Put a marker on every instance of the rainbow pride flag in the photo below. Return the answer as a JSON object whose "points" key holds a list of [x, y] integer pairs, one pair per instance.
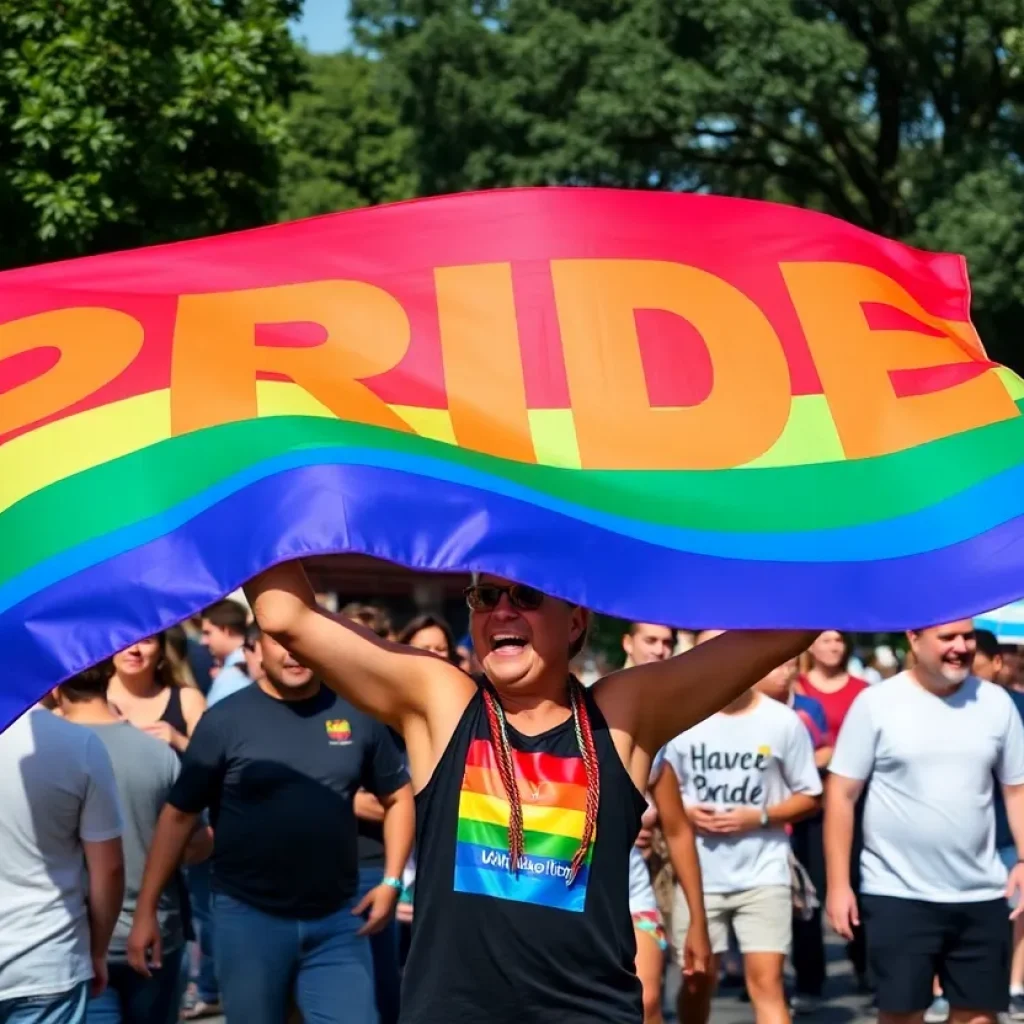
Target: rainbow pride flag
{"points": [[675, 408], [554, 801]]}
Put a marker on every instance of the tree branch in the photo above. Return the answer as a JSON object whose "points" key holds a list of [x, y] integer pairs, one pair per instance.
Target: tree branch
{"points": [[803, 175]]}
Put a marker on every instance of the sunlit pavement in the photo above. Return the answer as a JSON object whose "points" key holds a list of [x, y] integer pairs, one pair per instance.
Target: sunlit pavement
{"points": [[842, 1004]]}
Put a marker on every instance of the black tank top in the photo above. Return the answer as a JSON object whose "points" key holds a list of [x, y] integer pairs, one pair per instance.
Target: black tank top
{"points": [[487, 946], [173, 714]]}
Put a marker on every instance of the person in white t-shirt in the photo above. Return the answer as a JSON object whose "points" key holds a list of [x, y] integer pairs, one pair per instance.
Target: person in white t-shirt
{"points": [[61, 868], [931, 741], [652, 943], [744, 774]]}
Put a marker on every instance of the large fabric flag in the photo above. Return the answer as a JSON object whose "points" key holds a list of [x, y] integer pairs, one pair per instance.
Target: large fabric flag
{"points": [[675, 408]]}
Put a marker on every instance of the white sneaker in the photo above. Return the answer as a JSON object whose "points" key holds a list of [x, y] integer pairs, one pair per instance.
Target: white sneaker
{"points": [[938, 1012]]}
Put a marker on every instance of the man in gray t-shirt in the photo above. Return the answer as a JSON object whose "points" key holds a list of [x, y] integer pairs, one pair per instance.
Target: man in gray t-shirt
{"points": [[145, 769], [932, 742], [61, 870]]}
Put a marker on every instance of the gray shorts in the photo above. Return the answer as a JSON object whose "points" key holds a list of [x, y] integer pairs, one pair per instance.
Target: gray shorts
{"points": [[762, 919]]}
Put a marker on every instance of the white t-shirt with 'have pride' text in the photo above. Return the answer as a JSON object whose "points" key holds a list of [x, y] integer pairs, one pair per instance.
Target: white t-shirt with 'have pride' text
{"points": [[755, 758]]}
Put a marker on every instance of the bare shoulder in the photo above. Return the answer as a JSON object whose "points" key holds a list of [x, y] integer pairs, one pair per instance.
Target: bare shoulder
{"points": [[192, 700], [615, 695], [627, 696], [448, 686], [428, 725], [617, 701]]}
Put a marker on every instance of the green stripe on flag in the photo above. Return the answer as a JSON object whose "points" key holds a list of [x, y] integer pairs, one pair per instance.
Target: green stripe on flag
{"points": [[537, 844], [766, 500]]}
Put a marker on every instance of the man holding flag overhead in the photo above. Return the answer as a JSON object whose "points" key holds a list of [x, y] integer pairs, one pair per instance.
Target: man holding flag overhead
{"points": [[452, 405], [529, 791]]}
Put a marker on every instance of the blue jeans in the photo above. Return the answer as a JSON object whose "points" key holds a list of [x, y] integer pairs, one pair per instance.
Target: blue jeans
{"points": [[130, 998], [63, 1008], [261, 957], [387, 979], [198, 880]]}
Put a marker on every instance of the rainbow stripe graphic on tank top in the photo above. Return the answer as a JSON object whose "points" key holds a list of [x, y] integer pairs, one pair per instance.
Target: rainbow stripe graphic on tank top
{"points": [[554, 797]]}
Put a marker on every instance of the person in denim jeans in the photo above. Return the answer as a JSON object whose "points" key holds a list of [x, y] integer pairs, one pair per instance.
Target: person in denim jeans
{"points": [[278, 764], [145, 769], [61, 868]]}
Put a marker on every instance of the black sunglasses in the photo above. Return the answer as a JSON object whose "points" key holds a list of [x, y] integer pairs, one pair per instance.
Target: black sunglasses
{"points": [[485, 597]]}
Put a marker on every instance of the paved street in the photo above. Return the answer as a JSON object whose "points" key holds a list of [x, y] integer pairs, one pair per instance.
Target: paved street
{"points": [[842, 1004]]}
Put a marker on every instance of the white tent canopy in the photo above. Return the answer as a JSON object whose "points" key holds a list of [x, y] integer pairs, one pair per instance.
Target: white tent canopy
{"points": [[1007, 623]]}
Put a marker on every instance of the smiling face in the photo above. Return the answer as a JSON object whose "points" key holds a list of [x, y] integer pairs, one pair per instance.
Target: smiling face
{"points": [[523, 650], [829, 650], [945, 653], [138, 661], [282, 671], [648, 642], [431, 638]]}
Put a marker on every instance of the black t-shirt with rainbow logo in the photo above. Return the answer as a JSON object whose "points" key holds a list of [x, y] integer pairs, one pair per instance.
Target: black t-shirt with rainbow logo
{"points": [[279, 778]]}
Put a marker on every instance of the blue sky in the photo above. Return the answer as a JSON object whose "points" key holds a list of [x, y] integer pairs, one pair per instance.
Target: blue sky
{"points": [[323, 25]]}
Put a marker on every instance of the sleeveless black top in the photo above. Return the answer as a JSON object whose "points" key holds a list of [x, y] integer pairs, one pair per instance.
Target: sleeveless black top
{"points": [[173, 715], [489, 946]]}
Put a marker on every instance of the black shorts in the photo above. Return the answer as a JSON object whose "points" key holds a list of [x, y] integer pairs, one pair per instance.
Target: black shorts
{"points": [[966, 945]]}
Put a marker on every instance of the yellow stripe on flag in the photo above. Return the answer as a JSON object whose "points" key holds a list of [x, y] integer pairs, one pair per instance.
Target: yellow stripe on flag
{"points": [[810, 436], [554, 438], [494, 811], [72, 445]]}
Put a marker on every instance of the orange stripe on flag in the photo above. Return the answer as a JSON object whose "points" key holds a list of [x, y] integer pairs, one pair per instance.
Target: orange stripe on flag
{"points": [[544, 793]]}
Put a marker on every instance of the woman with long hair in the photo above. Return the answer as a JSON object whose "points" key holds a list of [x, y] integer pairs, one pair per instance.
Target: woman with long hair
{"points": [[829, 682], [148, 691], [828, 679], [430, 633], [177, 652]]}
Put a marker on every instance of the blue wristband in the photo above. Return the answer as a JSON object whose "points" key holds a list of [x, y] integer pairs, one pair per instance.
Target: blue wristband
{"points": [[393, 883]]}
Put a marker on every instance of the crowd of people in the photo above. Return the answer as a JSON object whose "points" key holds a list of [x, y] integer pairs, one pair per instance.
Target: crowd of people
{"points": [[240, 816]]}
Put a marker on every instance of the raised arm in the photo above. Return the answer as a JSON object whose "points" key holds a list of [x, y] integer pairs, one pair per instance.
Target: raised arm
{"points": [[389, 681], [654, 703]]}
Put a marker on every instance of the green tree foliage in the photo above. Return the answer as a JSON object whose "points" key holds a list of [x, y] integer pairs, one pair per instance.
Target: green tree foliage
{"points": [[126, 122], [903, 116], [346, 146]]}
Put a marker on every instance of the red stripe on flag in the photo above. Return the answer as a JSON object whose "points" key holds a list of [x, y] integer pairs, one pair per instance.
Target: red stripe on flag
{"points": [[535, 768]]}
